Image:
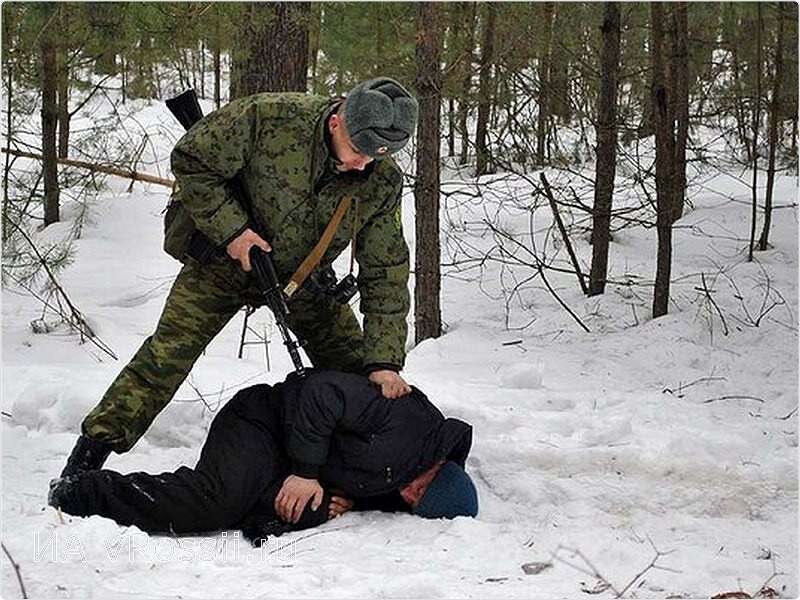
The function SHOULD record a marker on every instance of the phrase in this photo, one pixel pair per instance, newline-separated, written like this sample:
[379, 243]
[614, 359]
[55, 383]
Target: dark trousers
[241, 468]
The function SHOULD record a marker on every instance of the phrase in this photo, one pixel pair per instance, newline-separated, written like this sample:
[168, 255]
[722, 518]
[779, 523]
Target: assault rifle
[186, 109]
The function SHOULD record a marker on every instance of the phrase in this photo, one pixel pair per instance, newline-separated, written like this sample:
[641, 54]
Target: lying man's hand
[294, 495]
[391, 384]
[338, 506]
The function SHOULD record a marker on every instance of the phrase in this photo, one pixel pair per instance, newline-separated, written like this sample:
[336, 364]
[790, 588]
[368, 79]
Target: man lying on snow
[291, 456]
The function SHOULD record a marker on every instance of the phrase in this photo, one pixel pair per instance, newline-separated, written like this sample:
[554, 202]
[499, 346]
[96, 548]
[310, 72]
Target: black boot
[87, 455]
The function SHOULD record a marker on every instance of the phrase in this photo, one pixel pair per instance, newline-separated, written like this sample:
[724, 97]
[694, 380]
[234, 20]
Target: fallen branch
[713, 303]
[199, 394]
[306, 536]
[652, 565]
[603, 583]
[563, 230]
[681, 386]
[539, 265]
[733, 398]
[95, 168]
[16, 570]
[560, 301]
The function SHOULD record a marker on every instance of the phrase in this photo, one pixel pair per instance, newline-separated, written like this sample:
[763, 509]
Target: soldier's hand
[391, 384]
[239, 248]
[294, 495]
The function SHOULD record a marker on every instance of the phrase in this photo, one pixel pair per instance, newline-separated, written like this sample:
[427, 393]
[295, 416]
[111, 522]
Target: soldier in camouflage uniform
[297, 156]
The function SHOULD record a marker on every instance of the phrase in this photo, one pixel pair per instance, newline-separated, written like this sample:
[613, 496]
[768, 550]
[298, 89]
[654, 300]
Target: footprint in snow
[607, 434]
[522, 376]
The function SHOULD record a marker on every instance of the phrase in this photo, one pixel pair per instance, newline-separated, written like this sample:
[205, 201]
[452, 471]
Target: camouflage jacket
[277, 143]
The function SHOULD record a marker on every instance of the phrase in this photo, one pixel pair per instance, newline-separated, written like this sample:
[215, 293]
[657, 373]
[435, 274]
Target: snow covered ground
[592, 452]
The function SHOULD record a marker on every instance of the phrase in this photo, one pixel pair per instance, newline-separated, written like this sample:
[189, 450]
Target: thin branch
[734, 397]
[76, 321]
[16, 570]
[652, 565]
[95, 168]
[564, 236]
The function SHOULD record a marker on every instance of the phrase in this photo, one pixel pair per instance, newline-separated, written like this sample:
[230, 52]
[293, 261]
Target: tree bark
[124, 79]
[544, 83]
[558, 69]
[469, 13]
[9, 102]
[202, 69]
[680, 69]
[777, 85]
[606, 148]
[483, 161]
[315, 39]
[217, 76]
[49, 78]
[756, 121]
[275, 56]
[664, 154]
[427, 311]
[738, 100]
[451, 127]
[63, 83]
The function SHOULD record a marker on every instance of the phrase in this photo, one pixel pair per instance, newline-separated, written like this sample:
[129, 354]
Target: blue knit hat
[451, 494]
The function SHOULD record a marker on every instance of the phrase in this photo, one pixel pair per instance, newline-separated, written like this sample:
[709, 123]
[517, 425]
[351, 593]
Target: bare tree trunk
[233, 80]
[451, 127]
[664, 154]
[680, 70]
[544, 83]
[124, 77]
[559, 68]
[49, 78]
[217, 76]
[482, 165]
[756, 121]
[193, 67]
[9, 103]
[427, 283]
[738, 102]
[469, 13]
[777, 84]
[379, 42]
[63, 84]
[202, 69]
[275, 58]
[315, 39]
[606, 148]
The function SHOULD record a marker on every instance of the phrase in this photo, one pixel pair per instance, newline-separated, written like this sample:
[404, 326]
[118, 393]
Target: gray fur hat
[380, 116]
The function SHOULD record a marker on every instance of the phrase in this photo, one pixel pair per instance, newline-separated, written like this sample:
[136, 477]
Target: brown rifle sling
[312, 260]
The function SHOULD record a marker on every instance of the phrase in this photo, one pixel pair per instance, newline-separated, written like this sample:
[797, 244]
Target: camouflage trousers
[202, 300]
